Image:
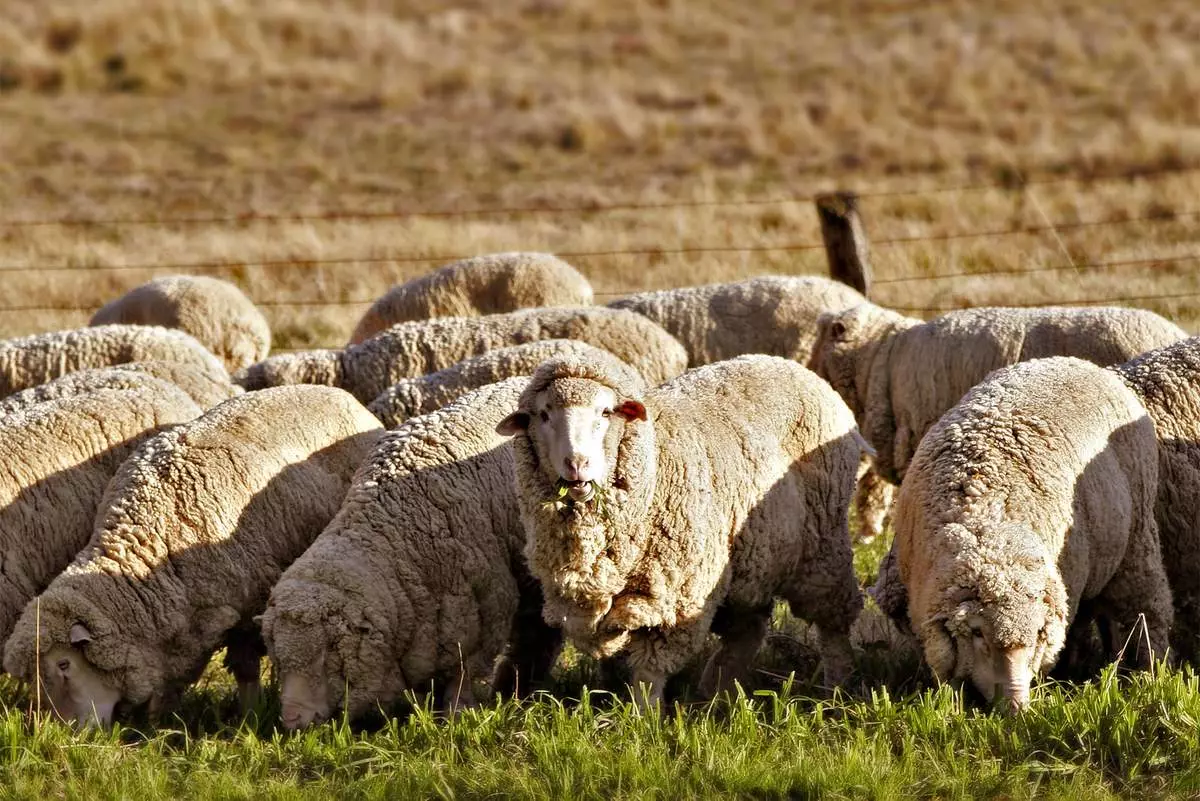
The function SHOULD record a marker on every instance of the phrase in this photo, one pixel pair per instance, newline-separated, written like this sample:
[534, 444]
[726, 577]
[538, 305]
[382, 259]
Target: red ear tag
[632, 410]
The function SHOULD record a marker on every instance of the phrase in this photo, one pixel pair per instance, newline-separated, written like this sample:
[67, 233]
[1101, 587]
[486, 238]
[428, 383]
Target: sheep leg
[458, 693]
[1138, 594]
[532, 650]
[825, 592]
[889, 591]
[872, 504]
[742, 634]
[648, 688]
[244, 650]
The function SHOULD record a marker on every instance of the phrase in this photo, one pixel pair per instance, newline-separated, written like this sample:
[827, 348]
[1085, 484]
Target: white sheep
[206, 388]
[1031, 502]
[773, 314]
[412, 349]
[489, 284]
[654, 517]
[194, 530]
[215, 312]
[56, 458]
[899, 374]
[415, 396]
[420, 580]
[28, 361]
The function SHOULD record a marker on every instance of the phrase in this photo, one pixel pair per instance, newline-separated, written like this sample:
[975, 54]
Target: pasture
[315, 152]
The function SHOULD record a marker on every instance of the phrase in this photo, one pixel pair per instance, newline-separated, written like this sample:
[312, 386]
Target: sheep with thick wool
[423, 394]
[215, 312]
[1027, 507]
[1167, 381]
[488, 284]
[654, 517]
[419, 582]
[206, 388]
[772, 314]
[899, 374]
[29, 361]
[56, 458]
[194, 530]
[413, 349]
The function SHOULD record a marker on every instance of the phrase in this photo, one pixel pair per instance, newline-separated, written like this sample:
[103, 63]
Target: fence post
[846, 244]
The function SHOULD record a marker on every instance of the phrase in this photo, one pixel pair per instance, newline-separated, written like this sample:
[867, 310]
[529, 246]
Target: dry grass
[117, 109]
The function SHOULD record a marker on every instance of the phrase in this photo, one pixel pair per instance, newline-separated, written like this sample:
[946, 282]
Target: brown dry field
[142, 112]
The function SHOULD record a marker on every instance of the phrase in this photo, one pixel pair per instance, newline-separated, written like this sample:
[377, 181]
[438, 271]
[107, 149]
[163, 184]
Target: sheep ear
[515, 423]
[837, 330]
[80, 636]
[632, 410]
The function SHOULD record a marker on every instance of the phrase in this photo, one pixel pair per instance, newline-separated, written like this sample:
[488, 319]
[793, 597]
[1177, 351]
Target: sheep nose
[575, 465]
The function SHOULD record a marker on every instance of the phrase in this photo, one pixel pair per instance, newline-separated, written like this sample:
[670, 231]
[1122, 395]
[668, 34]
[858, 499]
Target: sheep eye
[545, 416]
[607, 412]
[64, 665]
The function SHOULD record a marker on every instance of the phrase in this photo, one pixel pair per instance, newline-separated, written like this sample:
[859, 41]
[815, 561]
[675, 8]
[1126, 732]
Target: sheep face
[305, 367]
[75, 690]
[308, 691]
[569, 425]
[1002, 673]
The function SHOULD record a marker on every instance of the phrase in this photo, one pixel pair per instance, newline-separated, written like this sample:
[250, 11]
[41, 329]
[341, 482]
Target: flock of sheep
[494, 465]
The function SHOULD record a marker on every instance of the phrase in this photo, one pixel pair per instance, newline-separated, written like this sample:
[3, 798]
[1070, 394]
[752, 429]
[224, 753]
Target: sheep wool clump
[419, 583]
[215, 312]
[29, 361]
[194, 530]
[648, 511]
[488, 284]
[1031, 498]
[56, 458]
[414, 349]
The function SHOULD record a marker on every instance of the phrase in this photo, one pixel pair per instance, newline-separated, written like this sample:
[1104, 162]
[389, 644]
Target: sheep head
[846, 343]
[1002, 614]
[303, 367]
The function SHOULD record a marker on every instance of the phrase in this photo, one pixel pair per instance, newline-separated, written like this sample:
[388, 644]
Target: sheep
[773, 314]
[56, 458]
[215, 312]
[1029, 507]
[1167, 381]
[194, 530]
[423, 394]
[419, 579]
[28, 361]
[205, 388]
[489, 284]
[653, 518]
[900, 374]
[413, 349]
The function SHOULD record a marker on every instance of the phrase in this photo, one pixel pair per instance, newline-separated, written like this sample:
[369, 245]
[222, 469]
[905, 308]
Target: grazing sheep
[1031, 502]
[773, 314]
[194, 530]
[205, 388]
[1167, 381]
[899, 375]
[490, 284]
[420, 577]
[215, 312]
[427, 393]
[56, 458]
[408, 350]
[28, 361]
[656, 517]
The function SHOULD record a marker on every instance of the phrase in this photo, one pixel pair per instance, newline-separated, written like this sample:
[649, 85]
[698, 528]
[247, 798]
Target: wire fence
[1013, 183]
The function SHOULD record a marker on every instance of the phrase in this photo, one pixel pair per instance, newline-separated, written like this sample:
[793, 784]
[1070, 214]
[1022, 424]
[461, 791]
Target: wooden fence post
[846, 244]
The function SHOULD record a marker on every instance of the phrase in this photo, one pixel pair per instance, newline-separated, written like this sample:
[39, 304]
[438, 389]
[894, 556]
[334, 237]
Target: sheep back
[489, 284]
[215, 312]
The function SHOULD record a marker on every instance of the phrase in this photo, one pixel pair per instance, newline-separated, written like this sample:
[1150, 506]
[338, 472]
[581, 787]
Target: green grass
[1118, 736]
[1130, 737]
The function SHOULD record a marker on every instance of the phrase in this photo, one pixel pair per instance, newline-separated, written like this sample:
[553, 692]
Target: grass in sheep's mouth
[564, 501]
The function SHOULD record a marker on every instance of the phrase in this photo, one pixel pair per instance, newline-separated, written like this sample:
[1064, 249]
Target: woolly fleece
[203, 387]
[195, 529]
